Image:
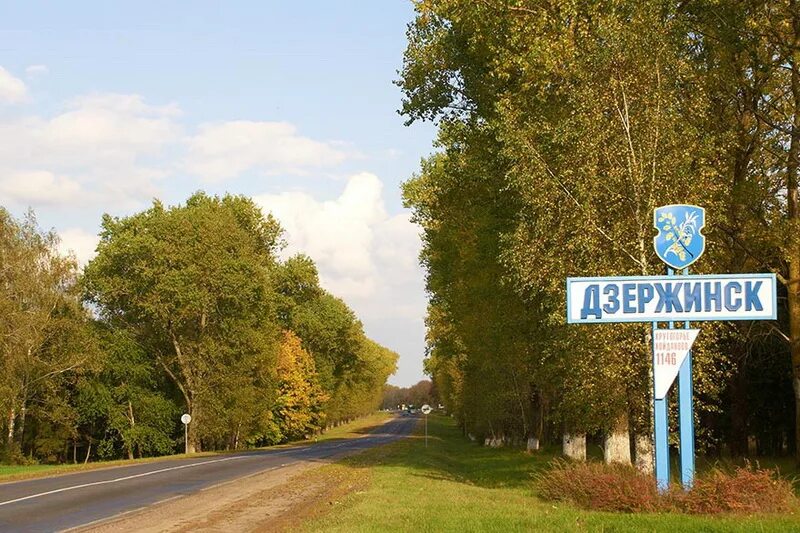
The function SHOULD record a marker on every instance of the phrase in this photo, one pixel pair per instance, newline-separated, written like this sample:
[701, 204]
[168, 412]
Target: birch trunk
[574, 446]
[617, 443]
[644, 456]
[12, 416]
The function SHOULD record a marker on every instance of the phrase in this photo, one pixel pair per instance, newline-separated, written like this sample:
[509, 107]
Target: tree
[561, 128]
[191, 284]
[123, 404]
[43, 335]
[299, 408]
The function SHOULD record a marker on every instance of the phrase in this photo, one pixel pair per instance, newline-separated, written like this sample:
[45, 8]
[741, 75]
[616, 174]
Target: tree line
[421, 393]
[184, 308]
[561, 126]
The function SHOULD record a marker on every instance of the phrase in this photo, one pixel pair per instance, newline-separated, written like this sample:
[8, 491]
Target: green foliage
[192, 284]
[189, 310]
[561, 127]
[419, 394]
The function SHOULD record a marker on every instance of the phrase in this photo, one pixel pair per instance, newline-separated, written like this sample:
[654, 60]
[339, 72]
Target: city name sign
[671, 298]
[686, 298]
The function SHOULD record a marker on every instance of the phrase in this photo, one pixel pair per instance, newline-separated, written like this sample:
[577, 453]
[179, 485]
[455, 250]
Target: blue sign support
[661, 427]
[686, 417]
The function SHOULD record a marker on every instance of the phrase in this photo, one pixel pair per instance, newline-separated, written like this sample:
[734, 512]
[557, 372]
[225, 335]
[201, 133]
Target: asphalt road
[71, 500]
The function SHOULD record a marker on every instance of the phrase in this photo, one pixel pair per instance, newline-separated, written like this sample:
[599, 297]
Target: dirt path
[277, 499]
[268, 501]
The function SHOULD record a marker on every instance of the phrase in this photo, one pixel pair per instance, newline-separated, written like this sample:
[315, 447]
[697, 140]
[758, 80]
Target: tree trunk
[194, 434]
[12, 416]
[88, 453]
[574, 446]
[739, 410]
[643, 449]
[793, 163]
[21, 426]
[617, 443]
[133, 423]
[538, 409]
[188, 389]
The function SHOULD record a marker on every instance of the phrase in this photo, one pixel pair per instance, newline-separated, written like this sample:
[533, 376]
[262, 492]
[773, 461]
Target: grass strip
[456, 485]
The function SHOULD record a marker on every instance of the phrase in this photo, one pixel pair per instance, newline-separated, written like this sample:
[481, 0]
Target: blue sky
[104, 106]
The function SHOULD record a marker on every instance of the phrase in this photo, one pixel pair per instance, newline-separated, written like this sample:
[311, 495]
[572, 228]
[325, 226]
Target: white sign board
[186, 418]
[670, 348]
[426, 409]
[672, 298]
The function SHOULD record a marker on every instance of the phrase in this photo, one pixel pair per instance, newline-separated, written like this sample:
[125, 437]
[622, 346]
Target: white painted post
[186, 418]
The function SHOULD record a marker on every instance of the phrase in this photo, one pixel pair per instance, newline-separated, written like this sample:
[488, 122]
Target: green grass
[455, 485]
[355, 428]
[14, 470]
[17, 472]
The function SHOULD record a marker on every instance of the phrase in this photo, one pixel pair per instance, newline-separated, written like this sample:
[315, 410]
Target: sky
[105, 106]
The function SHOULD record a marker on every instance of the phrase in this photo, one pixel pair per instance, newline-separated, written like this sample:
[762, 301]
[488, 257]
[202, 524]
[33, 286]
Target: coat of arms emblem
[679, 242]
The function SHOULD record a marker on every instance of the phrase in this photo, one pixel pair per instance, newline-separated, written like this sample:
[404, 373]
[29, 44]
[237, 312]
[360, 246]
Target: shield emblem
[679, 242]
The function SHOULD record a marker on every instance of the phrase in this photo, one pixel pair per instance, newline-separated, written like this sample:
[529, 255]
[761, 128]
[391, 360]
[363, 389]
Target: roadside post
[671, 298]
[426, 409]
[186, 418]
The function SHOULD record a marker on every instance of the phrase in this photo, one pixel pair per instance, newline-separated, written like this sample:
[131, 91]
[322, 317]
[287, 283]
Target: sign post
[186, 418]
[426, 410]
[685, 298]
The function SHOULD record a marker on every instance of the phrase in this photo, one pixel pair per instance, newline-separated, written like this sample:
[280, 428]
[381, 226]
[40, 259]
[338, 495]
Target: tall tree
[42, 335]
[192, 285]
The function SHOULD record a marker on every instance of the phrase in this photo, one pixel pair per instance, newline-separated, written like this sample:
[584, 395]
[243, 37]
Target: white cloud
[112, 145]
[36, 70]
[223, 150]
[12, 90]
[118, 146]
[80, 243]
[359, 249]
[39, 187]
[365, 256]
[111, 128]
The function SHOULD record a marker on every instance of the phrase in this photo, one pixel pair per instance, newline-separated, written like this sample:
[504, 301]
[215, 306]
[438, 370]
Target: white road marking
[144, 474]
[117, 480]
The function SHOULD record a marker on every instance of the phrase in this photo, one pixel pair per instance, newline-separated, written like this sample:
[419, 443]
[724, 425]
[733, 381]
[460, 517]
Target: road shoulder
[276, 499]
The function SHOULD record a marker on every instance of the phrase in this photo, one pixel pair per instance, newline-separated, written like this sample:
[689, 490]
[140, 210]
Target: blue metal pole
[686, 416]
[661, 433]
[661, 420]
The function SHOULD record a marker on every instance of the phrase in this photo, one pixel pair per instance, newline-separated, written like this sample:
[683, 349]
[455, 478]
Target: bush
[622, 488]
[599, 486]
[745, 490]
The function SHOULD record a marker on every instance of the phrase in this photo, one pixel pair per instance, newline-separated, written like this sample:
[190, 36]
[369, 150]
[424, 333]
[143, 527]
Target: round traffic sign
[426, 409]
[186, 418]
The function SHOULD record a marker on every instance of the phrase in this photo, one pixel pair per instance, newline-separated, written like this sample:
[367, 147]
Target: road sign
[670, 349]
[186, 418]
[426, 409]
[670, 298]
[679, 242]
